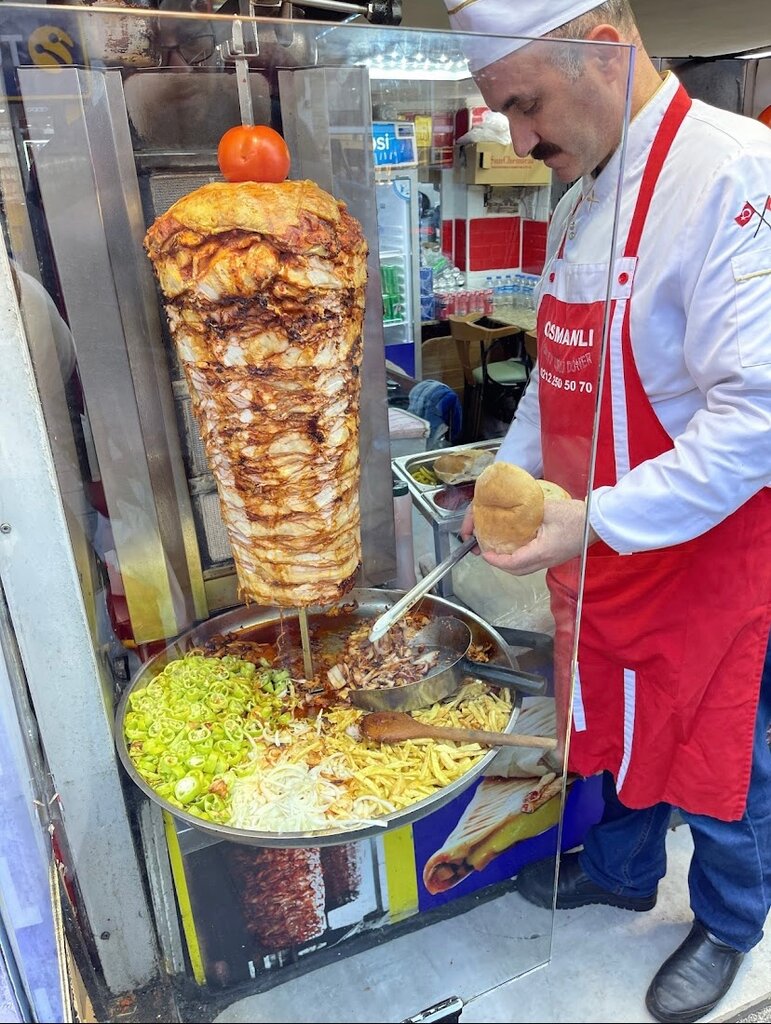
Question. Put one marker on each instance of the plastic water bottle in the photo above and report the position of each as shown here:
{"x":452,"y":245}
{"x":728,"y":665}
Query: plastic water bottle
{"x":509,"y":292}
{"x":528,"y":290}
{"x":488,"y":295}
{"x":499,"y":295}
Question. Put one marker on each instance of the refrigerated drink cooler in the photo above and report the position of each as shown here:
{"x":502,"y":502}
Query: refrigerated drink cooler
{"x":396,"y":195}
{"x":114,"y":560}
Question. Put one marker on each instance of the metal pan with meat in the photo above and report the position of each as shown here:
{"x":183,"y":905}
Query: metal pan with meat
{"x":222,"y":730}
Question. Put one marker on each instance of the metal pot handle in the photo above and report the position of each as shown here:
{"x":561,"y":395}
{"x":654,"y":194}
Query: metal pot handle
{"x":525,"y":638}
{"x":523,"y":682}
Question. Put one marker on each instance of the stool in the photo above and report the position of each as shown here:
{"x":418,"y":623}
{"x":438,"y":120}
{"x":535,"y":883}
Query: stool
{"x":493,"y":370}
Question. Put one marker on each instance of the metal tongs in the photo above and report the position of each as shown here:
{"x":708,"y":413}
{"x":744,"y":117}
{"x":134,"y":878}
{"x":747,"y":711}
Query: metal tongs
{"x":402,"y":606}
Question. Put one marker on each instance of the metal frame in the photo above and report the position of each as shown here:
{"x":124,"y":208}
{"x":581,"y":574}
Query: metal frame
{"x":94,"y":214}
{"x":381,"y":12}
{"x":66,"y":679}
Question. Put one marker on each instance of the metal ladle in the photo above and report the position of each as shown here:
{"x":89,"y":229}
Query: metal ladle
{"x":450,"y":638}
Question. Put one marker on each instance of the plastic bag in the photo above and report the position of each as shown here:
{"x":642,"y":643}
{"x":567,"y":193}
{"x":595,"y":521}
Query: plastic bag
{"x":494,"y":128}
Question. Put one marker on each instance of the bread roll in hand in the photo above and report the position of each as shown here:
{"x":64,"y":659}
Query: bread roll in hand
{"x":507,"y":508}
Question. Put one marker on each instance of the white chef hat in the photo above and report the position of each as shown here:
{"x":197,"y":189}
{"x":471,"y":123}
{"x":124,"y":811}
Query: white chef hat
{"x":527,"y":19}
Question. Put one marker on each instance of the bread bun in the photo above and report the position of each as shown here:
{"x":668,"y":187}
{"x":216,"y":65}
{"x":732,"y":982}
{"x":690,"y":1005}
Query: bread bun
{"x":461,"y":467}
{"x":553,"y":491}
{"x":508,"y":508}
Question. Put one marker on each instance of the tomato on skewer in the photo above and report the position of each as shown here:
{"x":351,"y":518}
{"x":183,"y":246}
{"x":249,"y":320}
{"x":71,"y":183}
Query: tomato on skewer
{"x":253,"y":153}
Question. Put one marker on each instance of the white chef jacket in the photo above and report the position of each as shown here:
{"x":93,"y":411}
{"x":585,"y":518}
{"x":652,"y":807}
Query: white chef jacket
{"x":700,"y":322}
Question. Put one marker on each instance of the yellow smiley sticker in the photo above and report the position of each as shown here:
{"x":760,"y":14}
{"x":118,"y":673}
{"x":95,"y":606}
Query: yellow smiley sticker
{"x":51,"y":46}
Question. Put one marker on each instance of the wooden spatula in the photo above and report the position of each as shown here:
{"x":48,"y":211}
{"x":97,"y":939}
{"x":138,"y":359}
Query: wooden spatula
{"x":396,"y":727}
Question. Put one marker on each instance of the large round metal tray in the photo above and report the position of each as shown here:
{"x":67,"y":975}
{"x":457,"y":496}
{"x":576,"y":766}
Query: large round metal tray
{"x":369,"y":604}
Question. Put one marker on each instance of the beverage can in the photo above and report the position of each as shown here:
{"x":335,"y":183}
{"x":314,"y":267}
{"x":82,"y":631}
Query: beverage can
{"x":390,"y":281}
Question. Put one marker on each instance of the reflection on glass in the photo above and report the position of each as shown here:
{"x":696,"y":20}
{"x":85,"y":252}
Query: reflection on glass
{"x":101,"y":149}
{"x":195,"y":49}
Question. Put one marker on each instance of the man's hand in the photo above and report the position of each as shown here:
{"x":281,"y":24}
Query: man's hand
{"x":559,"y":538}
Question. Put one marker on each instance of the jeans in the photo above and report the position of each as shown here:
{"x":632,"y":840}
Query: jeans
{"x":730,"y":874}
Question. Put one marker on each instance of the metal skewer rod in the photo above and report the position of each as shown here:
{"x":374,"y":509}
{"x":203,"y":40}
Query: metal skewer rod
{"x":242,"y":75}
{"x":305,"y":637}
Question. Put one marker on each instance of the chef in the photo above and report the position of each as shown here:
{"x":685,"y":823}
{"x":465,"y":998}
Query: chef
{"x":670,"y":699}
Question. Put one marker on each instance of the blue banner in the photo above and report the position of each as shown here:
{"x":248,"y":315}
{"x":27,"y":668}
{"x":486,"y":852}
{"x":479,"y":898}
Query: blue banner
{"x":394,"y":144}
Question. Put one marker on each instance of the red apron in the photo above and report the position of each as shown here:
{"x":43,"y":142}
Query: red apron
{"x":671,"y":642}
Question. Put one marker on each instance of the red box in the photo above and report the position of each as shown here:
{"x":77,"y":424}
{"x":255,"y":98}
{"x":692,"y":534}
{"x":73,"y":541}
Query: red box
{"x":467,"y":118}
{"x":442,"y":156}
{"x":442,"y":130}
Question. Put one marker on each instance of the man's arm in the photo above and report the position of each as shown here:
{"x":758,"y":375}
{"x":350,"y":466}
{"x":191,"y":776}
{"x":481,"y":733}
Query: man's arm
{"x":723,"y":457}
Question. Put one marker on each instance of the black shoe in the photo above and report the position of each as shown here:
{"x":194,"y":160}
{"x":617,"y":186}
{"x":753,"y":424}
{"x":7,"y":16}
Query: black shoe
{"x":694,"y":979}
{"x":575,"y":889}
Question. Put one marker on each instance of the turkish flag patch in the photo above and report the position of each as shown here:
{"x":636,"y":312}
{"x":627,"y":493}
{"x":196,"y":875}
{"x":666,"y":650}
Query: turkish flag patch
{"x":746,"y":215}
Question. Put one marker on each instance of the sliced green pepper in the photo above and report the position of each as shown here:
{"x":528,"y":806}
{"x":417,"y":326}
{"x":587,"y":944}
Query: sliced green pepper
{"x":188,"y":788}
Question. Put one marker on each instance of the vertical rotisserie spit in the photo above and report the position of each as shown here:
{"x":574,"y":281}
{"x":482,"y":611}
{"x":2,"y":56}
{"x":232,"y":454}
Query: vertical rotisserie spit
{"x":264,"y":292}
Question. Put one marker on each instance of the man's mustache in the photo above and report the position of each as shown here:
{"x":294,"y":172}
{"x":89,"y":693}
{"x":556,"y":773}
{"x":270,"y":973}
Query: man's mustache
{"x":544,"y":150}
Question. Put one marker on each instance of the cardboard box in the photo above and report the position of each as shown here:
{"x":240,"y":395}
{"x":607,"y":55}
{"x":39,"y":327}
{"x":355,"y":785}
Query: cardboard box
{"x":439,"y":358}
{"x":490,"y":163}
